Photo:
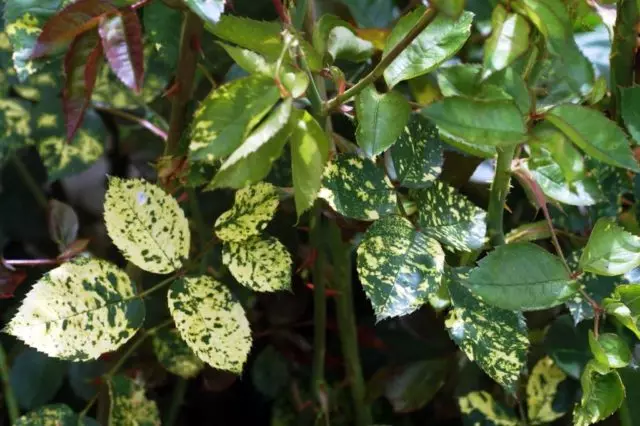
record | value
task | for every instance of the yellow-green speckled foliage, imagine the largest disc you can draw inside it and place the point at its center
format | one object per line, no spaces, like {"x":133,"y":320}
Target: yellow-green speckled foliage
{"x":175,"y":355}
{"x":49,"y":415}
{"x":147,"y":225}
{"x":254,"y":207}
{"x":211,"y":321}
{"x":259,"y":264}
{"x":129,"y":406}
{"x":15,"y":131}
{"x":542,"y":389}
{"x":79,"y":310}
{"x":480,"y":409}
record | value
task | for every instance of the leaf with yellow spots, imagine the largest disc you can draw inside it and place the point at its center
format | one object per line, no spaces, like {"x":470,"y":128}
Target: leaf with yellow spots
{"x":15,"y":131}
{"x":79,"y":310}
{"x":175,"y":355}
{"x":496,"y":339}
{"x":479,"y":408}
{"x":450,"y":218}
{"x":129,"y":405}
{"x":543,"y":390}
{"x":602,"y":395}
{"x":610,"y":250}
{"x":53,"y":415}
{"x":252,"y":210}
{"x":259,"y":264}
{"x":356,"y":188}
{"x":399,"y":267}
{"x":211,"y":321}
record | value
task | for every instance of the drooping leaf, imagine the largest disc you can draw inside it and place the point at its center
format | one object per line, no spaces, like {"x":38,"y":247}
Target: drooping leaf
{"x":595,"y":134}
{"x":449,"y":217}
{"x":63,"y":223}
{"x":79,"y":310}
{"x":624,"y":304}
{"x":523,"y":277}
{"x":309,"y":156}
{"x":252,"y":160}
{"x":493,"y":123}
{"x":129,"y":405}
{"x":252,"y":210}
{"x":610,"y":250}
{"x":509,"y":40}
{"x":174,"y":354}
{"x":356,"y":188}
{"x":399,"y":267}
{"x":416,"y":384}
{"x":479,"y":408}
{"x":602,"y":395}
{"x":630,"y":106}
{"x":35,"y":378}
{"x":259,"y":264}
{"x":147,"y":225}
{"x":49,"y":415}
{"x":271,"y":372}
{"x":335,"y":39}
{"x":121,"y":37}
{"x":609,"y":350}
{"x":211,"y":321}
{"x":543,"y":388}
{"x":418,"y":153}
{"x":208,"y":10}
{"x":496,"y":339}
{"x":381,"y":118}
{"x":435,"y":44}
{"x":227,"y":115}
{"x":568,"y":346}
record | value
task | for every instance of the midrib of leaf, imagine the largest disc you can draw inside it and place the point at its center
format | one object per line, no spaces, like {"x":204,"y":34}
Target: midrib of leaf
{"x":488,"y":129}
{"x":375,"y":121}
{"x":524,"y":284}
{"x":573,"y":133}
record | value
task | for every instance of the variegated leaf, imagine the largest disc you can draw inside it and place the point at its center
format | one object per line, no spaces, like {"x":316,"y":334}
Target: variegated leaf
{"x":479,"y":408}
{"x":254,"y":207}
{"x":175,"y":355}
{"x":259,"y":264}
{"x":129,"y":405}
{"x":211,"y":321}
{"x":51,"y":415}
{"x":79,"y":310}
{"x":496,"y":339}
{"x":356,"y":188}
{"x":15,"y":130}
{"x":399,"y":267}
{"x":542,"y":391}
{"x":147,"y":225}
{"x":450,"y":218}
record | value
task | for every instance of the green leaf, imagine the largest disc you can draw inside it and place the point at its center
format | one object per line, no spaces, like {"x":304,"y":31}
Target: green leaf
{"x":251,"y":161}
{"x":381,"y":118}
{"x":499,"y":279}
{"x":610,"y":250}
{"x":161,"y":24}
{"x":260,"y":264}
{"x":602,"y":395}
{"x":78,"y":311}
{"x":63,"y":224}
{"x":479,"y":408}
{"x":630,"y":410}
{"x":496,"y":339}
{"x":399,"y":267}
{"x":449,"y":217}
{"x":228,"y":114}
{"x":568,"y":346}
{"x":543,"y":388}
{"x":418,"y":154}
{"x":35,"y":378}
{"x":465,"y":80}
{"x":335,"y":39}
{"x":416,"y":384}
{"x":435,"y":44}
{"x":595,"y":134}
{"x":356,"y":188}
{"x":309,"y":156}
{"x":49,"y":415}
{"x":129,"y":405}
{"x":508,"y":41}
{"x":84,"y":378}
{"x":630,"y":106}
{"x":14,"y":127}
{"x":548,"y":141}
{"x":451,"y":8}
{"x":147,"y":225}
{"x":270,"y":373}
{"x":208,"y":10}
{"x":609,"y":350}
{"x":371,"y":13}
{"x":493,"y":123}
{"x":211,"y":321}
{"x":624,"y":304}
{"x":175,"y":355}
{"x":254,"y":207}
{"x":548,"y":175}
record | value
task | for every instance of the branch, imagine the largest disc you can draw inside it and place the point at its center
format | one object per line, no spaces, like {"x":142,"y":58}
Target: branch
{"x":498,"y":197}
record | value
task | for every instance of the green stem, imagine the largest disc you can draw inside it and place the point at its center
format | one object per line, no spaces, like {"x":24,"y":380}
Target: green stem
{"x":428,"y":17}
{"x":177,"y":399}
{"x":319,"y":303}
{"x":499,"y":190}
{"x":9,"y":397}
{"x":34,"y":188}
{"x":623,"y":52}
{"x":341,"y":256}
{"x":157,"y":287}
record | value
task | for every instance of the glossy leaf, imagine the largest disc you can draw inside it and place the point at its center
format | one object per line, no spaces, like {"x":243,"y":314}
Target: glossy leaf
{"x":543,"y":388}
{"x":630,"y":110}
{"x":568,"y":346}
{"x":610,"y":250}
{"x":161,"y":24}
{"x":129,"y":405}
{"x":549,"y":177}
{"x":480,"y":408}
{"x":521,"y":276}
{"x":381,"y":119}
{"x":208,"y":10}
{"x":496,"y":339}
{"x":624,"y":304}
{"x":415,"y":385}
{"x":260,"y":264}
{"x":609,"y":350}
{"x":465,"y":80}
{"x":399,"y":267}
{"x":49,"y":415}
{"x":252,"y":210}
{"x":35,"y":378}
{"x":78,"y":311}
{"x":356,"y":188}
{"x":147,"y":225}
{"x":174,"y":354}
{"x":335,"y":39}
{"x":602,"y":395}
{"x":434,"y":45}
{"x":509,"y":40}
{"x":211,"y":321}
{"x":547,"y":141}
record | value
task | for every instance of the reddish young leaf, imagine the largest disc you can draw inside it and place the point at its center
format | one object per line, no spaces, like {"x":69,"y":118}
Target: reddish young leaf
{"x":9,"y":281}
{"x":69,"y":23}
{"x":81,"y":66}
{"x":122,"y":43}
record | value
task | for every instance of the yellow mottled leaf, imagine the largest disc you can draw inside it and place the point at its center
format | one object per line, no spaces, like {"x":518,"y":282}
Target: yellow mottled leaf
{"x":147,"y":225}
{"x":542,"y":389}
{"x":174,"y":354}
{"x":484,"y":410}
{"x":49,"y":415}
{"x":129,"y":405}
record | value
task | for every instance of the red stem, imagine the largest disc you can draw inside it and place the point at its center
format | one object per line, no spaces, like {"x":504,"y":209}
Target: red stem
{"x":282,"y":13}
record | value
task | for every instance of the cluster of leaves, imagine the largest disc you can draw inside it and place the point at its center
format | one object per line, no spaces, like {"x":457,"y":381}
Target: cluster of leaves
{"x":368,"y":139}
